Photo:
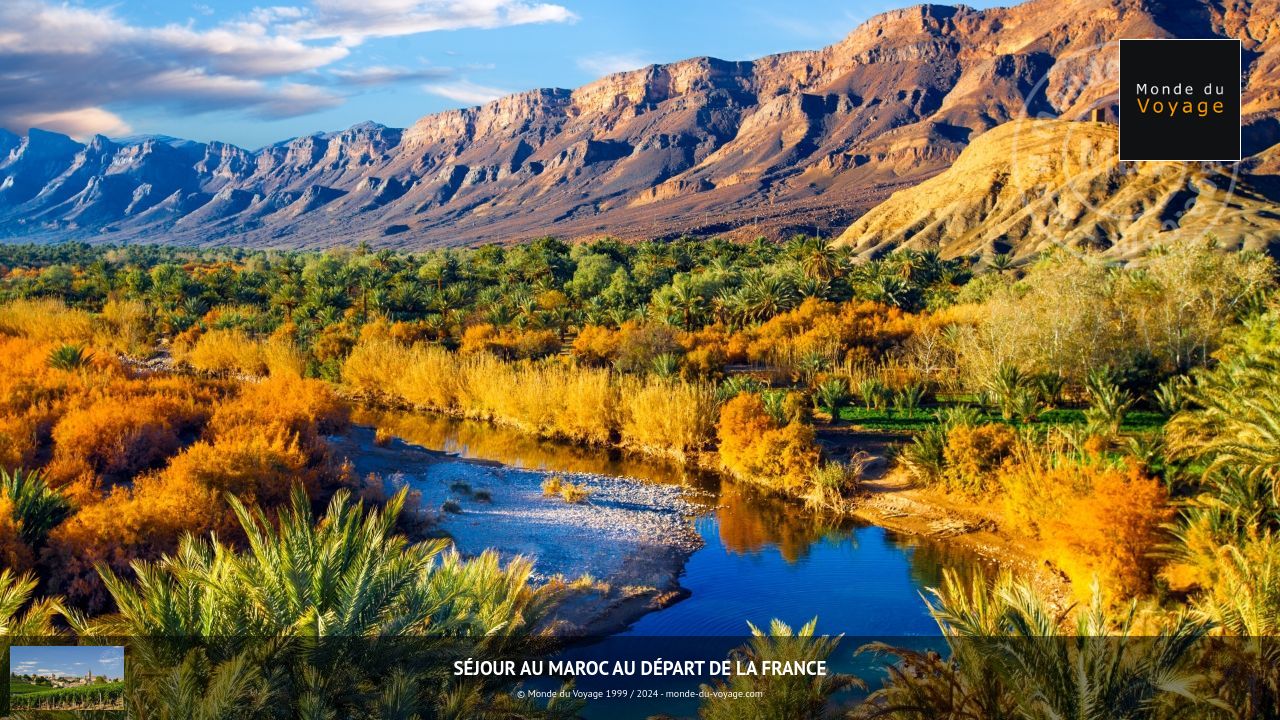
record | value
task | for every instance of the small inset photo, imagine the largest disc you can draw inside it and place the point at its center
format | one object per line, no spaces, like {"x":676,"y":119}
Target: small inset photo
{"x":64,"y":681}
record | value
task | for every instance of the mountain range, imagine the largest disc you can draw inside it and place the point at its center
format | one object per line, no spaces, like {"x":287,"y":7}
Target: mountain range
{"x":805,"y":141}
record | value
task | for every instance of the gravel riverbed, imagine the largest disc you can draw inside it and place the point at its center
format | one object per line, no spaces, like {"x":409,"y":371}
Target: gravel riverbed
{"x":627,"y":533}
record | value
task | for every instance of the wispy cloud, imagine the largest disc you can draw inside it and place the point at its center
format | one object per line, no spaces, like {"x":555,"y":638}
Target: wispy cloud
{"x":353,"y":21}
{"x":465,"y":91}
{"x":386,"y":75}
{"x":609,"y":63}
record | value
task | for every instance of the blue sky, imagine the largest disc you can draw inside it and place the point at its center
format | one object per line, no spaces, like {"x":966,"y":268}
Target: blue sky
{"x":252,"y":72}
{"x":71,"y":660}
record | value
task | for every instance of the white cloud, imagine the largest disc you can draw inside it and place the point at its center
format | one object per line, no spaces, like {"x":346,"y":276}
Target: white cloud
{"x":609,"y":63}
{"x":80,"y":123}
{"x":465,"y":91}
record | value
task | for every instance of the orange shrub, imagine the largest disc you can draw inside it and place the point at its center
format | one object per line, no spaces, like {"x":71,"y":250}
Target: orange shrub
{"x":255,"y":466}
{"x":509,"y":343}
{"x":114,"y":438}
{"x":1039,"y":492}
{"x":258,"y":444}
{"x":974,"y":452}
{"x":706,"y":351}
{"x":20,"y":437}
{"x":534,"y":344}
{"x":127,"y":525}
{"x":852,"y":331}
{"x":1111,"y":532}
{"x":481,"y":337}
{"x":754,"y":448}
{"x":285,"y":405}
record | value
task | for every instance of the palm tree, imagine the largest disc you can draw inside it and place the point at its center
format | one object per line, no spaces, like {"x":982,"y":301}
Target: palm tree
{"x":830,"y":395}
{"x":1108,"y":402}
{"x":20,"y":615}
{"x":794,"y":697}
{"x":69,"y":357}
{"x":1236,"y":420}
{"x":326,"y":611}
{"x":819,"y":259}
{"x":1010,"y":658}
{"x":1001,"y":262}
{"x":766,"y":295}
{"x":36,"y":506}
{"x":1243,"y":602}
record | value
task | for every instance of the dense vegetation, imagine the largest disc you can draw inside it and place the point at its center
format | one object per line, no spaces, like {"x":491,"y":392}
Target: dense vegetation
{"x":1117,"y":422}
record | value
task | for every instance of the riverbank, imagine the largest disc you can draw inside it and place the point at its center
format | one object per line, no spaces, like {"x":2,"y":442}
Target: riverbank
{"x":891,"y":502}
{"x":619,"y":553}
{"x":886,"y":497}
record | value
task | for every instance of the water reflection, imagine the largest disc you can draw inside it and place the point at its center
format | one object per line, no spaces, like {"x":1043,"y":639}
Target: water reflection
{"x":749,"y":521}
{"x":746,"y":521}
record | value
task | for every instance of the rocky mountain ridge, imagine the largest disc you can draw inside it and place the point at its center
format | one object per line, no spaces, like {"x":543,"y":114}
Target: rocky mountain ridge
{"x":801,"y":141}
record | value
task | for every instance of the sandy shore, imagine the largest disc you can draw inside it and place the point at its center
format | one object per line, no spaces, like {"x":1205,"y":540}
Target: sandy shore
{"x":628,"y":542}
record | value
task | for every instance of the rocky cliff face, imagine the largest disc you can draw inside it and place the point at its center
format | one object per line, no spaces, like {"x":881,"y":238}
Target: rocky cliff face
{"x":797,"y":141}
{"x":1031,"y":185}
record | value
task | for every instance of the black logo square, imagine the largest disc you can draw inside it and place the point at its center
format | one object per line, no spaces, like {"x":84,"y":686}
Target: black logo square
{"x":1180,"y":100}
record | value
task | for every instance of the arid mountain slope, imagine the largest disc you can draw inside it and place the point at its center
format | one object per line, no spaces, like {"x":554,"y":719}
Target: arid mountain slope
{"x":1031,"y":184}
{"x":797,"y":141}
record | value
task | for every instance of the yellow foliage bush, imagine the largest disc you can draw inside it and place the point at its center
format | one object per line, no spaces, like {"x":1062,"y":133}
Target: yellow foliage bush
{"x":257,"y":467}
{"x":545,"y":398}
{"x":509,"y":343}
{"x":847,"y":332}
{"x":233,"y":351}
{"x":974,"y":452}
{"x":1035,"y":493}
{"x":45,"y":320}
{"x":286,"y":407}
{"x":124,"y":326}
{"x":223,"y":351}
{"x":595,"y":346}
{"x":282,"y":357}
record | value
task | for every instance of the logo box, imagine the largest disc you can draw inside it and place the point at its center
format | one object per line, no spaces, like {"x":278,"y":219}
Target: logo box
{"x":1180,"y":100}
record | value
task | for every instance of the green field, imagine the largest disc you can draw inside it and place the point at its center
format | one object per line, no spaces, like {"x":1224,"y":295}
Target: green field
{"x":891,"y":420}
{"x":26,"y":696}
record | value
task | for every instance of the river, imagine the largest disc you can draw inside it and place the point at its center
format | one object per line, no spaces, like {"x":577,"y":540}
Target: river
{"x":761,"y":558}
